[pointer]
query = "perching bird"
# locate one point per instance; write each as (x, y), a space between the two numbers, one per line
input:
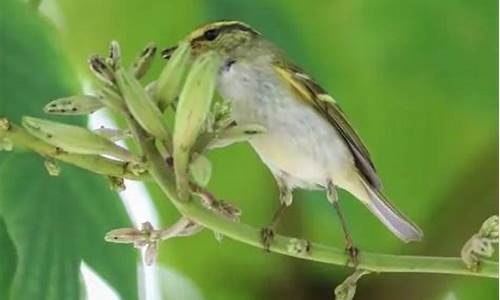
(309, 143)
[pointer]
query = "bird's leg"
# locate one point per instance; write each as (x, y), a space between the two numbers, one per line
(285, 197)
(334, 199)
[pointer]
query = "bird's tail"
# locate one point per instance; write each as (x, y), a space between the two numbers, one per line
(392, 218)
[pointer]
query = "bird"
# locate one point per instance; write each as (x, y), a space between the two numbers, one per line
(309, 143)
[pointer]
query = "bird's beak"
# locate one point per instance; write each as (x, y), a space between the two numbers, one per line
(167, 53)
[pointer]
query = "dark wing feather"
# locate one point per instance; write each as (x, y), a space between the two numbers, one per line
(308, 90)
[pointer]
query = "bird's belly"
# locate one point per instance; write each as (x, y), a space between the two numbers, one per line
(299, 143)
(302, 147)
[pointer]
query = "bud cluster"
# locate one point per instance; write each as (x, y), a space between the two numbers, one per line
(481, 244)
(186, 87)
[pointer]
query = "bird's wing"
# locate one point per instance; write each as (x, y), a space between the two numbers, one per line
(309, 91)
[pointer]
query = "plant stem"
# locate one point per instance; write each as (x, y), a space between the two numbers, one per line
(165, 178)
(286, 245)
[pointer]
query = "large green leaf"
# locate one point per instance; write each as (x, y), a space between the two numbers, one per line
(8, 264)
(53, 222)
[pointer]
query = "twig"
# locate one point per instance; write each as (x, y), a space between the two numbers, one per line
(316, 252)
(197, 212)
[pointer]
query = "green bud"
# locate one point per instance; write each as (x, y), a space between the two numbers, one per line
(114, 54)
(192, 111)
(141, 106)
(75, 139)
(112, 99)
(143, 62)
(151, 89)
(126, 236)
(347, 289)
(170, 81)
(184, 227)
(4, 124)
(136, 168)
(74, 105)
(101, 69)
(151, 252)
(489, 229)
(201, 170)
(222, 115)
(218, 236)
(298, 246)
(481, 244)
(6, 144)
(236, 134)
(52, 167)
(113, 134)
(117, 184)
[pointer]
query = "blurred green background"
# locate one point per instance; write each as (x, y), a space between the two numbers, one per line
(418, 79)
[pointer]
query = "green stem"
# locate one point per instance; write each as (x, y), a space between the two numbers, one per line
(285, 245)
(164, 177)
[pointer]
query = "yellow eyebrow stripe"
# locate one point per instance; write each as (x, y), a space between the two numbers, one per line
(220, 24)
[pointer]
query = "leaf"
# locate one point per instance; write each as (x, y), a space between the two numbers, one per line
(8, 264)
(53, 222)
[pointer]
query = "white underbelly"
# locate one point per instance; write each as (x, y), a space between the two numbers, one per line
(299, 144)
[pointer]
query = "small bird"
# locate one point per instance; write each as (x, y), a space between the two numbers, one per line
(309, 143)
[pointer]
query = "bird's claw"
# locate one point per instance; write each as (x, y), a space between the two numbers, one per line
(267, 236)
(353, 253)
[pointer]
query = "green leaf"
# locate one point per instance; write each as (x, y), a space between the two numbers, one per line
(8, 264)
(53, 222)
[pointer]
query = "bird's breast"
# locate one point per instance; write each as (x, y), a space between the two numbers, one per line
(299, 141)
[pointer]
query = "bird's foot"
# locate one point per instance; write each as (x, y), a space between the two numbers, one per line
(353, 253)
(267, 236)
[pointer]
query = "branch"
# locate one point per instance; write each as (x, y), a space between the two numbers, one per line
(300, 248)
(160, 172)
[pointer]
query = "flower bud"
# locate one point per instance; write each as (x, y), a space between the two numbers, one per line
(114, 54)
(489, 229)
(218, 236)
(101, 69)
(116, 184)
(141, 106)
(151, 89)
(170, 81)
(4, 124)
(143, 62)
(52, 167)
(75, 139)
(113, 134)
(126, 236)
(74, 105)
(481, 244)
(192, 111)
(347, 289)
(151, 252)
(112, 99)
(190, 228)
(201, 170)
(6, 144)
(298, 246)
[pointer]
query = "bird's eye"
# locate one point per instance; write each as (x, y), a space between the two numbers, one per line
(211, 34)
